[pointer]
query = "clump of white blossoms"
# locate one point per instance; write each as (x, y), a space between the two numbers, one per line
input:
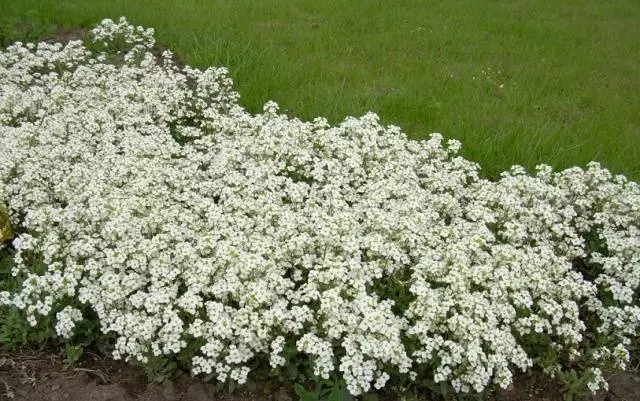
(149, 196)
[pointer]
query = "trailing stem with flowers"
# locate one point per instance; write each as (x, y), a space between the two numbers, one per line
(149, 207)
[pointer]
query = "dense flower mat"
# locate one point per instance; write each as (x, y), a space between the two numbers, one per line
(144, 196)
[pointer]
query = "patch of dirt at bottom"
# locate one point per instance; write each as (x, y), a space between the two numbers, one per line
(40, 375)
(623, 386)
(530, 387)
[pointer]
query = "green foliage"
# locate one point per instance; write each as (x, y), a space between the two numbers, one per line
(395, 289)
(73, 353)
(115, 50)
(28, 29)
(159, 368)
(15, 331)
(575, 384)
(85, 335)
(414, 390)
(443, 389)
(6, 263)
(324, 390)
(297, 367)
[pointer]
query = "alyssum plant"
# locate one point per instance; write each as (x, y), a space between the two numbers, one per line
(145, 199)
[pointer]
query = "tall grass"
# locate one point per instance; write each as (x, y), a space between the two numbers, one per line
(526, 82)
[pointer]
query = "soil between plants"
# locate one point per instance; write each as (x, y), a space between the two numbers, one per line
(42, 375)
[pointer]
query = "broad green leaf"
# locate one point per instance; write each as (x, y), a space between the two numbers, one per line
(304, 394)
(339, 392)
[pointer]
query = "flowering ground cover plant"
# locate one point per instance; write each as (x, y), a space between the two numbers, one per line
(148, 206)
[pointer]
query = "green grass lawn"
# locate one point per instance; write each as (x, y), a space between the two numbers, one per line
(518, 82)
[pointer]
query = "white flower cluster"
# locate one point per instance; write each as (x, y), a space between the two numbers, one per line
(597, 380)
(108, 31)
(124, 37)
(66, 321)
(145, 192)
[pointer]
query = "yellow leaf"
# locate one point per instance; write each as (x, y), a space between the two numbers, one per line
(6, 233)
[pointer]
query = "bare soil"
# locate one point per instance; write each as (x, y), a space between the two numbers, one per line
(42, 375)
(65, 35)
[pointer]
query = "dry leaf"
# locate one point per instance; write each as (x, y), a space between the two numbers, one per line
(6, 233)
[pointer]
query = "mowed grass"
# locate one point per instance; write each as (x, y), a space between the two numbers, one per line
(518, 82)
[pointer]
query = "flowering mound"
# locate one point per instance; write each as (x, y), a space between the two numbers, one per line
(144, 198)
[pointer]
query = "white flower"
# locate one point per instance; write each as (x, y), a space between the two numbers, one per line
(147, 193)
(66, 321)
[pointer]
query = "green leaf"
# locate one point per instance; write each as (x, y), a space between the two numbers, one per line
(14, 329)
(6, 263)
(339, 392)
(292, 371)
(433, 386)
(304, 394)
(73, 352)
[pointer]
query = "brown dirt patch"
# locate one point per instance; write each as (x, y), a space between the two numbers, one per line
(41, 375)
(65, 35)
(623, 386)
